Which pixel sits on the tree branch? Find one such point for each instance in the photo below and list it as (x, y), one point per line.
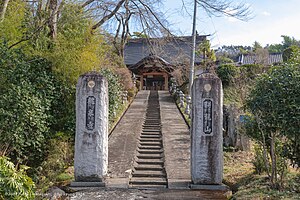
(88, 2)
(107, 17)
(221, 7)
(154, 15)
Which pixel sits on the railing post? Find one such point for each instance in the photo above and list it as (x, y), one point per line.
(181, 98)
(188, 104)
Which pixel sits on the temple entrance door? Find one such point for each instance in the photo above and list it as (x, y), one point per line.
(154, 82)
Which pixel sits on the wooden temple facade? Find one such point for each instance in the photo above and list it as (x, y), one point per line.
(153, 60)
(153, 73)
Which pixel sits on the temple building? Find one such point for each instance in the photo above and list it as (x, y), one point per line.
(153, 60)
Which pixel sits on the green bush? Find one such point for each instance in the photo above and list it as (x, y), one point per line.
(251, 71)
(59, 159)
(274, 103)
(114, 91)
(291, 53)
(14, 184)
(227, 73)
(32, 104)
(258, 162)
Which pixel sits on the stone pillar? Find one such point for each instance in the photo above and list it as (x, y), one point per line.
(206, 131)
(142, 82)
(91, 141)
(166, 81)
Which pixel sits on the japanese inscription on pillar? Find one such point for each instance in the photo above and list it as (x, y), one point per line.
(207, 116)
(90, 113)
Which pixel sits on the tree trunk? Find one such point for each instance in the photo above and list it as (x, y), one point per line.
(3, 10)
(273, 159)
(265, 155)
(125, 29)
(53, 5)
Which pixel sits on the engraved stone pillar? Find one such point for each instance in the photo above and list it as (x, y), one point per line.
(91, 141)
(206, 131)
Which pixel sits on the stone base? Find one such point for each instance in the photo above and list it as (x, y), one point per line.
(209, 187)
(87, 184)
(178, 184)
(117, 183)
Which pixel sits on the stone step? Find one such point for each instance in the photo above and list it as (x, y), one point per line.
(159, 144)
(156, 147)
(155, 142)
(152, 167)
(158, 128)
(150, 162)
(147, 142)
(154, 117)
(150, 151)
(145, 125)
(152, 136)
(141, 186)
(148, 181)
(149, 156)
(151, 123)
(151, 139)
(151, 130)
(148, 173)
(154, 132)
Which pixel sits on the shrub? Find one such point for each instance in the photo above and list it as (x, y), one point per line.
(114, 91)
(251, 71)
(227, 73)
(60, 157)
(14, 184)
(125, 77)
(274, 103)
(28, 91)
(291, 53)
(259, 162)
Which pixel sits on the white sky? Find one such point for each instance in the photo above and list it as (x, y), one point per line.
(271, 19)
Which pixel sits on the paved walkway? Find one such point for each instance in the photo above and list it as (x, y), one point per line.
(122, 149)
(176, 140)
(124, 140)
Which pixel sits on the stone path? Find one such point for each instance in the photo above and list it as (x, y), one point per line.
(176, 140)
(135, 194)
(123, 143)
(124, 140)
(149, 170)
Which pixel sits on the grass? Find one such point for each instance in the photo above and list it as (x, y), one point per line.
(238, 168)
(245, 184)
(55, 170)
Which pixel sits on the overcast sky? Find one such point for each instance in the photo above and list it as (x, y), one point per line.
(271, 19)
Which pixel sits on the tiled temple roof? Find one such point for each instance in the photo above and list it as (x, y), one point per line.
(174, 50)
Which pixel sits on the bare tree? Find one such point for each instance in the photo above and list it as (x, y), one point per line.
(147, 17)
(226, 8)
(119, 16)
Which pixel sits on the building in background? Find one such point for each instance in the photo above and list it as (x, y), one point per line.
(153, 60)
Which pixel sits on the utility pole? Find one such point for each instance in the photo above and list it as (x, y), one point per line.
(192, 60)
